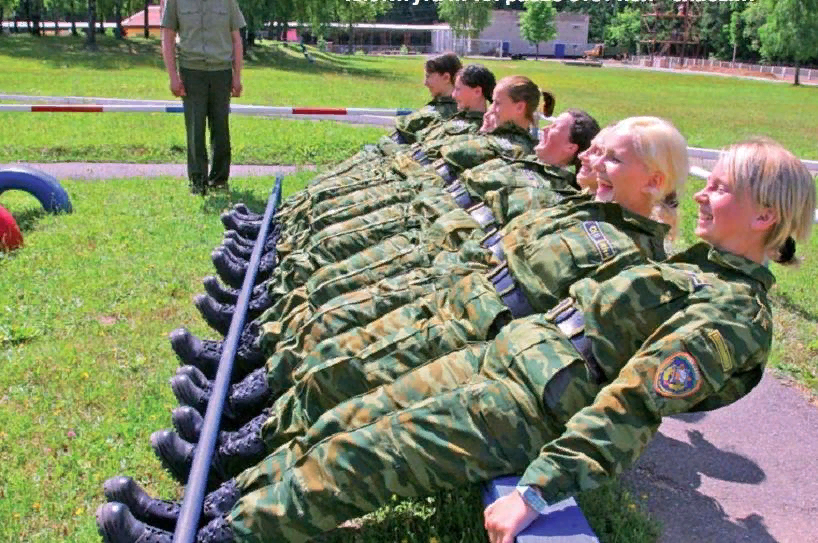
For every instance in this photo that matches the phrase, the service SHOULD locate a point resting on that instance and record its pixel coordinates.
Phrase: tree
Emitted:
(625, 29)
(91, 41)
(358, 12)
(790, 30)
(467, 19)
(537, 23)
(146, 25)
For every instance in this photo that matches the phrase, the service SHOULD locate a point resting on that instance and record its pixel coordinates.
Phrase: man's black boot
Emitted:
(243, 252)
(229, 295)
(188, 424)
(159, 513)
(219, 316)
(248, 229)
(205, 354)
(245, 399)
(235, 452)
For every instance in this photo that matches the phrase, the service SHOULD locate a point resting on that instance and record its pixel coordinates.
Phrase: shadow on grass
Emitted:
(216, 202)
(29, 218)
(112, 54)
(792, 306)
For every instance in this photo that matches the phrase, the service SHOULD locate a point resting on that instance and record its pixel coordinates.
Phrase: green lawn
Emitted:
(85, 307)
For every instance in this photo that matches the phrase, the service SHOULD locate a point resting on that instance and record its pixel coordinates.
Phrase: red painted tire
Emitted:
(10, 236)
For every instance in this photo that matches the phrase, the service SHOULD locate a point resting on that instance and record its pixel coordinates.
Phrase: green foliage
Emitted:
(791, 29)
(404, 50)
(321, 44)
(467, 19)
(537, 23)
(625, 29)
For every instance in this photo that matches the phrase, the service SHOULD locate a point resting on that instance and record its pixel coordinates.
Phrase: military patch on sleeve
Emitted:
(721, 350)
(594, 231)
(678, 376)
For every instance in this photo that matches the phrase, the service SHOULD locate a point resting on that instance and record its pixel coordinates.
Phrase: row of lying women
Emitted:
(446, 307)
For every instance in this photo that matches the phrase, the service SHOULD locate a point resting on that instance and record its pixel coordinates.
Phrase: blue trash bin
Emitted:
(559, 50)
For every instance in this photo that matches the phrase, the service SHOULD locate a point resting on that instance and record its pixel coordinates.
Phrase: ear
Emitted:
(572, 148)
(764, 219)
(655, 182)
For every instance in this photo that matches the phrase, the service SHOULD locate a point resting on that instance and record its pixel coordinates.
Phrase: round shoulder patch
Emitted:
(678, 376)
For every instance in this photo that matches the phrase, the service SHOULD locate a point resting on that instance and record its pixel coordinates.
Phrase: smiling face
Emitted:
(505, 110)
(727, 218)
(555, 145)
(437, 83)
(623, 177)
(586, 176)
(468, 98)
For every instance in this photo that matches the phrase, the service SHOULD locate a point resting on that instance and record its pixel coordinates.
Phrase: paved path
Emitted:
(747, 472)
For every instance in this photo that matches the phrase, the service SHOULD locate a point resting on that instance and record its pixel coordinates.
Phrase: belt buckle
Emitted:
(483, 215)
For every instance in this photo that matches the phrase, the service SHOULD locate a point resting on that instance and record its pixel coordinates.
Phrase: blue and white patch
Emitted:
(678, 376)
(594, 232)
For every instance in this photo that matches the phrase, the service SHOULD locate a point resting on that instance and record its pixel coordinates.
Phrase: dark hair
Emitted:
(521, 89)
(786, 253)
(477, 75)
(548, 103)
(447, 63)
(583, 130)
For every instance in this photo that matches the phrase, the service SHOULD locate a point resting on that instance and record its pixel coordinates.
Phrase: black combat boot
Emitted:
(248, 229)
(245, 213)
(188, 424)
(205, 354)
(235, 452)
(159, 513)
(245, 399)
(219, 316)
(116, 524)
(164, 514)
(228, 295)
(238, 238)
(243, 252)
(232, 271)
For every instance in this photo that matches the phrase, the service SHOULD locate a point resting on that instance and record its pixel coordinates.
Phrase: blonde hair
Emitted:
(774, 178)
(661, 148)
(521, 89)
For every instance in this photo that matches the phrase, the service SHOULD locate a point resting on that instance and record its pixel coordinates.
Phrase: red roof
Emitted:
(138, 18)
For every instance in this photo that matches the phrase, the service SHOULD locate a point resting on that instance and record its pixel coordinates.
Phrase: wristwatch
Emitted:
(531, 496)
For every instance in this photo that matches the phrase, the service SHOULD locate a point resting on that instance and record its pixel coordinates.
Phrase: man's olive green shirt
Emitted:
(205, 30)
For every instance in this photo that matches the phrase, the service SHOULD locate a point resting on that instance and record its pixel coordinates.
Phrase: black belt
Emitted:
(445, 171)
(397, 137)
(421, 157)
(571, 322)
(483, 215)
(494, 243)
(461, 195)
(512, 295)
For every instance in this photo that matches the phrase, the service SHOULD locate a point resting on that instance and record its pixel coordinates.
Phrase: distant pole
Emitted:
(91, 41)
(147, 28)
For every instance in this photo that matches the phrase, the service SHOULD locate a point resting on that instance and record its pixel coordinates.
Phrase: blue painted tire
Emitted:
(39, 184)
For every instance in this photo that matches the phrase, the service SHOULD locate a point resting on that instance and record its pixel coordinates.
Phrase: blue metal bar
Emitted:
(197, 482)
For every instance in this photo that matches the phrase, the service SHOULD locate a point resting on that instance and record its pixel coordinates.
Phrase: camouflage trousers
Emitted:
(449, 240)
(292, 337)
(365, 157)
(366, 357)
(469, 416)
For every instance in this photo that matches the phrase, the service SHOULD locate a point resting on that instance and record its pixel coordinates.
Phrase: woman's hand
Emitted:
(506, 517)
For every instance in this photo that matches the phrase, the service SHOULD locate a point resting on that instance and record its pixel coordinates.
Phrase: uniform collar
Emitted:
(634, 220)
(725, 259)
(440, 100)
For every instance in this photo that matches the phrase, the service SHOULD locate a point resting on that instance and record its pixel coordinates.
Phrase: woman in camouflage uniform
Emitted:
(568, 398)
(540, 255)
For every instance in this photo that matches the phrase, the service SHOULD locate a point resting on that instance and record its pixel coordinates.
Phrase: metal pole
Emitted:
(197, 482)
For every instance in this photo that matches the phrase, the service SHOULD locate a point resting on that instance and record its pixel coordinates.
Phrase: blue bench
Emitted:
(564, 522)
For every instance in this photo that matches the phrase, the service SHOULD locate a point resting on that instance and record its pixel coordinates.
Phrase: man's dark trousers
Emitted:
(207, 103)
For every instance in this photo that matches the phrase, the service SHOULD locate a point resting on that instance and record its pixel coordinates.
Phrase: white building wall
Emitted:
(572, 30)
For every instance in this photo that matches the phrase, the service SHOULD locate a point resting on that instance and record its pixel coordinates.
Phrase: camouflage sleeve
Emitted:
(469, 153)
(696, 356)
(409, 125)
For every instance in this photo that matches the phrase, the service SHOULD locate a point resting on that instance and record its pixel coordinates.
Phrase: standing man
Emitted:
(209, 72)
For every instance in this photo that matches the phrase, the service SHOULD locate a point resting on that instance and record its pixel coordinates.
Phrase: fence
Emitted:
(380, 49)
(677, 63)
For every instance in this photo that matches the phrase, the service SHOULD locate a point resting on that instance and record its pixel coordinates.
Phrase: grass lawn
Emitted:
(86, 306)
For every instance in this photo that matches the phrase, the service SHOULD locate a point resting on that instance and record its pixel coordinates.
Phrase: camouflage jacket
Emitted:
(439, 109)
(548, 250)
(689, 334)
